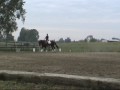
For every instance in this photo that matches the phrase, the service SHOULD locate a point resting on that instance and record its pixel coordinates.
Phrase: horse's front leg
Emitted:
(45, 49)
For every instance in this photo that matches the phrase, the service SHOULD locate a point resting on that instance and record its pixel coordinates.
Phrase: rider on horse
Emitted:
(47, 39)
(50, 44)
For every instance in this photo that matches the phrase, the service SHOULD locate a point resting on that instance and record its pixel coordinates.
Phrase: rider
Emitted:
(47, 38)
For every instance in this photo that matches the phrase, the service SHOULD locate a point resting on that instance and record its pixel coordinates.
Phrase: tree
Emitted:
(67, 40)
(22, 34)
(1, 37)
(32, 35)
(90, 38)
(27, 35)
(61, 40)
(10, 11)
(9, 37)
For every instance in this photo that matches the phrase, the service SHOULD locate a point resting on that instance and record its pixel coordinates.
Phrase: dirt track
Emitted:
(85, 64)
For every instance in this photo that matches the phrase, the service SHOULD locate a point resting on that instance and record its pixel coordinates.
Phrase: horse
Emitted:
(44, 45)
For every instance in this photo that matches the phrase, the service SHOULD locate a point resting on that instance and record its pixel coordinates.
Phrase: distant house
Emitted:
(113, 40)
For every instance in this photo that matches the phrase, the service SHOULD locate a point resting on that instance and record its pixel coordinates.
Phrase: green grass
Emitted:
(90, 47)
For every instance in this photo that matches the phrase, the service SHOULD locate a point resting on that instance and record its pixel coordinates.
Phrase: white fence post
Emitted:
(33, 49)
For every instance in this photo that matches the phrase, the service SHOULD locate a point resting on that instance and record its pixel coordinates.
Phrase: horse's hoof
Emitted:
(60, 50)
(41, 50)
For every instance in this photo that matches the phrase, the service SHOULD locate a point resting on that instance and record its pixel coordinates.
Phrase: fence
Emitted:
(19, 46)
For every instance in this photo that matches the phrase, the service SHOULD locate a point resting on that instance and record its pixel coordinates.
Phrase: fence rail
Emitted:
(22, 46)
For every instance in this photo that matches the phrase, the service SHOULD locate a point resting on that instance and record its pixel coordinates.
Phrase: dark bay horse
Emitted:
(44, 44)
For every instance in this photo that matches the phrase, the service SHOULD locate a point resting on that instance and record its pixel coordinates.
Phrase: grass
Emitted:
(90, 47)
(13, 85)
(31, 82)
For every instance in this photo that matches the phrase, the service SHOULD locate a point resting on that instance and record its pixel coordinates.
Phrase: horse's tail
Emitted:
(56, 45)
(39, 43)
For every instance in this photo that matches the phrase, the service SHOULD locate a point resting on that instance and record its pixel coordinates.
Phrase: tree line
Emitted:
(25, 35)
(32, 35)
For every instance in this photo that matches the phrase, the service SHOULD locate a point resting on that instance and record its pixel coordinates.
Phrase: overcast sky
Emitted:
(73, 18)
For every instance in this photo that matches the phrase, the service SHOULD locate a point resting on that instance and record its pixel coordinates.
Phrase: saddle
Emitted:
(49, 42)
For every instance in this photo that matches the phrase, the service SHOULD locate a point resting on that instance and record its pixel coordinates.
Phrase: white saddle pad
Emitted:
(49, 42)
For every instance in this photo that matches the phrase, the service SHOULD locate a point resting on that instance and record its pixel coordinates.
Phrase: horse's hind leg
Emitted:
(53, 48)
(42, 49)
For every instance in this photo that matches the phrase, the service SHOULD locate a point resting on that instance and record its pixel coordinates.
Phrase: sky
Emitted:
(72, 18)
